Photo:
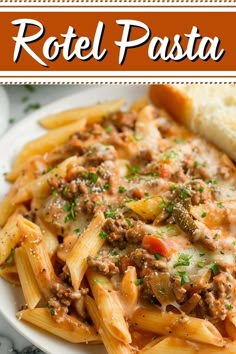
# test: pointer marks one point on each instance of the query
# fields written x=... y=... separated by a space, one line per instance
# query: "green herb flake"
x=162 y=291
x=201 y=189
x=220 y=205
x=170 y=155
x=136 y=137
x=185 y=193
x=170 y=207
x=179 y=140
x=77 y=231
x=204 y=214
x=173 y=187
x=103 y=235
x=201 y=264
x=52 y=312
x=32 y=106
x=132 y=171
x=30 y=88
x=129 y=222
x=69 y=207
x=106 y=186
x=54 y=192
x=183 y=260
x=108 y=129
x=110 y=214
x=24 y=99
x=184 y=277
x=9 y=262
x=138 y=281
x=157 y=256
x=162 y=203
x=93 y=177
x=215 y=268
x=229 y=307
x=12 y=120
x=121 y=189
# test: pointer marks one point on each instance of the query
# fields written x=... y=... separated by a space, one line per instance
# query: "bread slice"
x=206 y=109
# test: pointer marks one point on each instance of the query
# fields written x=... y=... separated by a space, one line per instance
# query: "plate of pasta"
x=117 y=229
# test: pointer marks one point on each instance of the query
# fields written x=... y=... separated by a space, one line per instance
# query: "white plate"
x=11 y=298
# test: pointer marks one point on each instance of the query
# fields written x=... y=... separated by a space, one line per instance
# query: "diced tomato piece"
x=159 y=245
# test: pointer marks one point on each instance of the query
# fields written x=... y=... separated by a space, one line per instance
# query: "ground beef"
x=218 y=298
x=122 y=230
x=105 y=265
x=146 y=262
x=179 y=291
x=122 y=120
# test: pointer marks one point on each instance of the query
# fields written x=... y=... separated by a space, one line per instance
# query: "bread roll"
x=207 y=109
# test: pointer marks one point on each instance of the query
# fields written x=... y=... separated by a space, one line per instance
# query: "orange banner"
x=117 y=41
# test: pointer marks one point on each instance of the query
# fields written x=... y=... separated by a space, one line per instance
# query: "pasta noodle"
x=119 y=228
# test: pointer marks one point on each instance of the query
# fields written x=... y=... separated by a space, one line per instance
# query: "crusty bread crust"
x=174 y=100
x=209 y=110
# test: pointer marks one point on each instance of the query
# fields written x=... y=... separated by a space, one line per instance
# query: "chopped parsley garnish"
x=136 y=137
x=198 y=164
x=212 y=181
x=122 y=189
x=103 y=234
x=162 y=291
x=70 y=208
x=106 y=186
x=229 y=307
x=9 y=262
x=153 y=174
x=93 y=177
x=185 y=193
x=170 y=207
x=220 y=205
x=24 y=99
x=129 y=222
x=157 y=256
x=201 y=264
x=12 y=120
x=52 y=312
x=201 y=254
x=204 y=214
x=170 y=155
x=54 y=192
x=215 y=268
x=139 y=281
x=110 y=214
x=77 y=231
x=108 y=129
x=173 y=187
x=162 y=203
x=31 y=107
x=30 y=88
x=183 y=260
x=132 y=171
x=179 y=140
x=184 y=277
x=201 y=189
x=215 y=236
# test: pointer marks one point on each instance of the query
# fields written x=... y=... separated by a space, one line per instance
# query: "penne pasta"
x=50 y=237
x=88 y=244
x=182 y=326
x=179 y=346
x=28 y=282
x=92 y=114
x=113 y=346
x=129 y=291
x=9 y=234
x=107 y=303
x=44 y=144
x=70 y=329
x=9 y=273
x=33 y=243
